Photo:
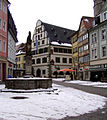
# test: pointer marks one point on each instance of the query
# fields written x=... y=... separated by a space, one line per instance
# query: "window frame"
x=0 y=45
x=0 y=4
x=4 y=26
x=57 y=59
x=0 y=23
x=104 y=53
x=64 y=60
x=4 y=46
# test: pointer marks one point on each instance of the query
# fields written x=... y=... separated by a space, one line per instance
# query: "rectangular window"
x=44 y=60
x=80 y=39
x=33 y=61
x=103 y=34
x=24 y=66
x=18 y=58
x=104 y=51
x=4 y=8
x=69 y=51
x=55 y=49
x=86 y=58
x=94 y=53
x=38 y=37
x=0 y=4
x=94 y=38
x=105 y=15
x=86 y=47
x=70 y=60
x=4 y=46
x=43 y=72
x=64 y=60
x=81 y=60
x=80 y=49
x=24 y=57
x=0 y=45
x=57 y=59
x=65 y=50
x=43 y=41
x=45 y=50
x=0 y=71
x=38 y=61
x=60 y=50
x=0 y=23
x=4 y=26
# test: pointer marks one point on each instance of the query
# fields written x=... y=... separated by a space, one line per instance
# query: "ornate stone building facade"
x=98 y=47
x=51 y=49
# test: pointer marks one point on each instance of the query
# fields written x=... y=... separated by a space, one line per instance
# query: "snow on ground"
x=88 y=83
x=48 y=105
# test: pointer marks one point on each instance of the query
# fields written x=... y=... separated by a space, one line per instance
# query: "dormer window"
x=52 y=29
x=55 y=34
x=65 y=32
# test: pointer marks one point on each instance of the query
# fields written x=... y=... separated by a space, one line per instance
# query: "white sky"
x=64 y=13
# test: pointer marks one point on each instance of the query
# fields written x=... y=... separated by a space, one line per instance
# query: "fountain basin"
x=28 y=83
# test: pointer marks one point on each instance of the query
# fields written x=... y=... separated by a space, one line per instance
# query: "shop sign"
x=81 y=69
x=86 y=68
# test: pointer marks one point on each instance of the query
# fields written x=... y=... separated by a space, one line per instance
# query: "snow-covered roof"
x=20 y=52
x=62 y=44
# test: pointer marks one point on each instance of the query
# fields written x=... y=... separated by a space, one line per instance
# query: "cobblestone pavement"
x=100 y=114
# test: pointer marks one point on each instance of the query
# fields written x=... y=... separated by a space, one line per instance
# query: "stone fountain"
x=28 y=81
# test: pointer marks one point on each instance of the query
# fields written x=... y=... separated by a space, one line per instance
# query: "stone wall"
x=28 y=83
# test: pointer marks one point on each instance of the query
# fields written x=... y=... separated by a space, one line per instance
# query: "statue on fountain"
x=28 y=70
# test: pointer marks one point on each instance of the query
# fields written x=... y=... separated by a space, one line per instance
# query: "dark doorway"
x=96 y=76
x=38 y=73
x=4 y=71
x=81 y=76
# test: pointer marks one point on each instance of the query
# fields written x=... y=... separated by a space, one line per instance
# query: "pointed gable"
x=85 y=23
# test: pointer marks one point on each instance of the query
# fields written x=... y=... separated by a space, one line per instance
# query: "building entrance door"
x=4 y=71
x=38 y=73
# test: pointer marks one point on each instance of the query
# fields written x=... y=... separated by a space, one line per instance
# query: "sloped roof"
x=21 y=47
x=59 y=34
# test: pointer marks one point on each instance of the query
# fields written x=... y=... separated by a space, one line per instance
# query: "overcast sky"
x=64 y=13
